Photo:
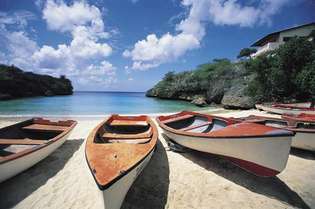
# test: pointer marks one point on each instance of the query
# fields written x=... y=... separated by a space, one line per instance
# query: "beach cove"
x=171 y=180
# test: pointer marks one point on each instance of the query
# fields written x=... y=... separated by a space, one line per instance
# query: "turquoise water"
x=92 y=103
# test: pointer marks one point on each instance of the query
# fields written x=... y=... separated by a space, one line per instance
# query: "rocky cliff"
x=15 y=83
x=219 y=82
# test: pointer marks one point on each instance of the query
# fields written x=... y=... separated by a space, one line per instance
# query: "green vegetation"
x=14 y=83
x=190 y=83
x=286 y=74
x=283 y=75
x=208 y=82
x=246 y=52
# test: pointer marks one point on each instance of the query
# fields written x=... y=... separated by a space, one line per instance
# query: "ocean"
x=92 y=103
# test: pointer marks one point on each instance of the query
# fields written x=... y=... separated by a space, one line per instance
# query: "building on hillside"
x=274 y=40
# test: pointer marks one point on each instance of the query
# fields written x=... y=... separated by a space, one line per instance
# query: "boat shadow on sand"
x=309 y=155
x=30 y=180
x=150 y=189
x=271 y=187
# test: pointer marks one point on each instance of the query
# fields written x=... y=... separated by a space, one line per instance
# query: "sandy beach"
x=171 y=180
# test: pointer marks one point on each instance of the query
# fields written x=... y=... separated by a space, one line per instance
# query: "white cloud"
x=105 y=73
x=82 y=59
x=63 y=17
x=20 y=48
x=18 y=18
x=153 y=51
x=17 y=45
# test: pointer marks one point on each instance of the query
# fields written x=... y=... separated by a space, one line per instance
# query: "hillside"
x=283 y=75
x=15 y=83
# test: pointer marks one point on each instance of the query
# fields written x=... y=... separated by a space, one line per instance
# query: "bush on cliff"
x=286 y=74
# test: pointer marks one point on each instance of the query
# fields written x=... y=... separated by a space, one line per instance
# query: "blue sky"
x=128 y=45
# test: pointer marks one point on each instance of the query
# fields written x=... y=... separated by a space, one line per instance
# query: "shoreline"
x=210 y=110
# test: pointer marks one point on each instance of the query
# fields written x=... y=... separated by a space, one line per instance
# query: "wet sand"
x=171 y=180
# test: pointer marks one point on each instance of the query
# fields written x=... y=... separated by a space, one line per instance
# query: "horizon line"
x=109 y=91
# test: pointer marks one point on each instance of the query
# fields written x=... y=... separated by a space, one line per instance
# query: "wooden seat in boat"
x=48 y=128
x=25 y=141
x=146 y=134
x=196 y=126
x=183 y=117
x=128 y=123
x=130 y=141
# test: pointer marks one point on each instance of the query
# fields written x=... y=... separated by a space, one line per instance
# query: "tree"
x=312 y=36
x=169 y=76
x=286 y=74
x=246 y=52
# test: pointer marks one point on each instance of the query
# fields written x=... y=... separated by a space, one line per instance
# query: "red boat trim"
x=291 y=122
x=300 y=118
x=254 y=168
x=284 y=106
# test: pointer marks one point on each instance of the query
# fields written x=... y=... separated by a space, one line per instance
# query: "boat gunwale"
x=292 y=107
x=306 y=118
x=36 y=147
x=292 y=124
x=121 y=175
x=230 y=121
x=284 y=107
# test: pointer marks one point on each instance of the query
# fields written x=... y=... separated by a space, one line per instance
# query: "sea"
x=92 y=103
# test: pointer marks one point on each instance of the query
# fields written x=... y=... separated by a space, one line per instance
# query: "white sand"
x=171 y=180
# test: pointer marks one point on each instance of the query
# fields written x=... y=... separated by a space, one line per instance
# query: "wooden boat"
x=24 y=144
x=256 y=148
x=303 y=125
x=117 y=150
x=291 y=109
x=301 y=117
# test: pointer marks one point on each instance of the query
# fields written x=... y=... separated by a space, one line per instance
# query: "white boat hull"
x=115 y=194
x=282 y=111
x=264 y=156
x=16 y=166
x=304 y=140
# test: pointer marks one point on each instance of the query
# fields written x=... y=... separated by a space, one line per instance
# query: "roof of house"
x=274 y=35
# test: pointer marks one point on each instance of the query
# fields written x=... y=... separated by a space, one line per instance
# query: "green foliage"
x=246 y=52
x=15 y=83
x=195 y=82
x=312 y=36
x=287 y=73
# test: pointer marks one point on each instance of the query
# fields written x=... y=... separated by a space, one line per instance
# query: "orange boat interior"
x=118 y=144
x=28 y=134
